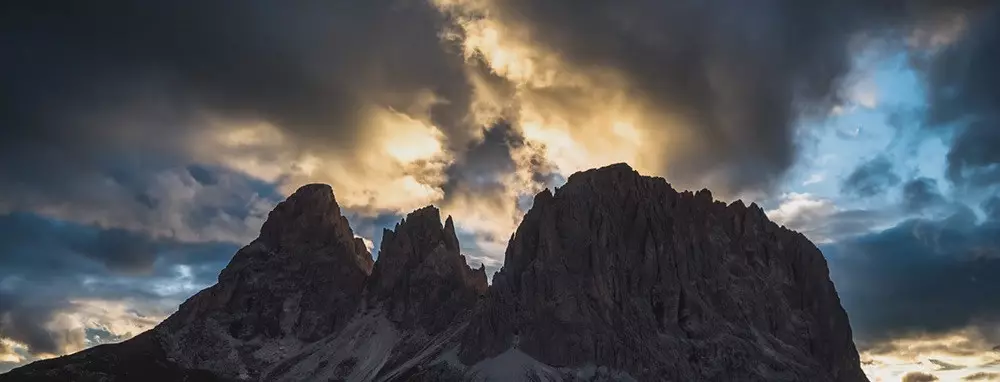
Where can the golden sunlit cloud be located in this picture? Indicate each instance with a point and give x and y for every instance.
(491, 218)
(9, 351)
(68, 328)
(582, 117)
(396, 165)
(949, 357)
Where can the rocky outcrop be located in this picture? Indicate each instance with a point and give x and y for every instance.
(421, 279)
(417, 303)
(619, 270)
(261, 291)
(301, 280)
(615, 276)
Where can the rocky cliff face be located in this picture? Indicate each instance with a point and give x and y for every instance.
(620, 270)
(301, 280)
(615, 276)
(421, 279)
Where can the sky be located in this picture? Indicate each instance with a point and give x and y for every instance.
(142, 144)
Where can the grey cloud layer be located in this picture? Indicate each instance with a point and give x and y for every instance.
(965, 95)
(922, 276)
(871, 178)
(47, 264)
(143, 77)
(121, 91)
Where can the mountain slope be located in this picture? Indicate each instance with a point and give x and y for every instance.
(615, 276)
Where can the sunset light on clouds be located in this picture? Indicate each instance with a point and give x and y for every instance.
(139, 156)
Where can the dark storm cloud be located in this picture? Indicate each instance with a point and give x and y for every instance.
(921, 193)
(24, 321)
(740, 75)
(94, 88)
(484, 161)
(168, 202)
(478, 168)
(142, 77)
(991, 207)
(922, 276)
(202, 175)
(871, 178)
(100, 103)
(47, 263)
(965, 95)
(44, 248)
(303, 66)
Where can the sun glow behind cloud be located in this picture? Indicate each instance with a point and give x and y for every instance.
(581, 117)
(949, 357)
(11, 351)
(354, 119)
(397, 164)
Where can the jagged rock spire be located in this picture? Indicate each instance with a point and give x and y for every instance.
(420, 277)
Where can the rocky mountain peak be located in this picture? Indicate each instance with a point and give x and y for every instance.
(301, 280)
(420, 276)
(311, 219)
(621, 270)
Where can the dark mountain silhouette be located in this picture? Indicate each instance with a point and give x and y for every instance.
(614, 276)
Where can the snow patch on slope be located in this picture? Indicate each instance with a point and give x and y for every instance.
(516, 365)
(513, 365)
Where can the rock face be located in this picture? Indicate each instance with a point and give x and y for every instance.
(615, 276)
(621, 271)
(301, 280)
(421, 279)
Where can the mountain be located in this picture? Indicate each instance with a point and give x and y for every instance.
(620, 270)
(614, 276)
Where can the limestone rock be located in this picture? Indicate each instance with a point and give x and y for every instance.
(420, 278)
(619, 270)
(299, 281)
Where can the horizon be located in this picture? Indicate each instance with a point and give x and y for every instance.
(143, 145)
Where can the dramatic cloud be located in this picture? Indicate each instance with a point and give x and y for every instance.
(965, 95)
(992, 208)
(141, 144)
(887, 279)
(871, 178)
(822, 221)
(356, 95)
(921, 193)
(486, 186)
(961, 355)
(59, 279)
(382, 99)
(702, 93)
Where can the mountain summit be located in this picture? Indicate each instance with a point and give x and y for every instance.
(614, 276)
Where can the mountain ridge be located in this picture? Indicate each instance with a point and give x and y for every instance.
(613, 276)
